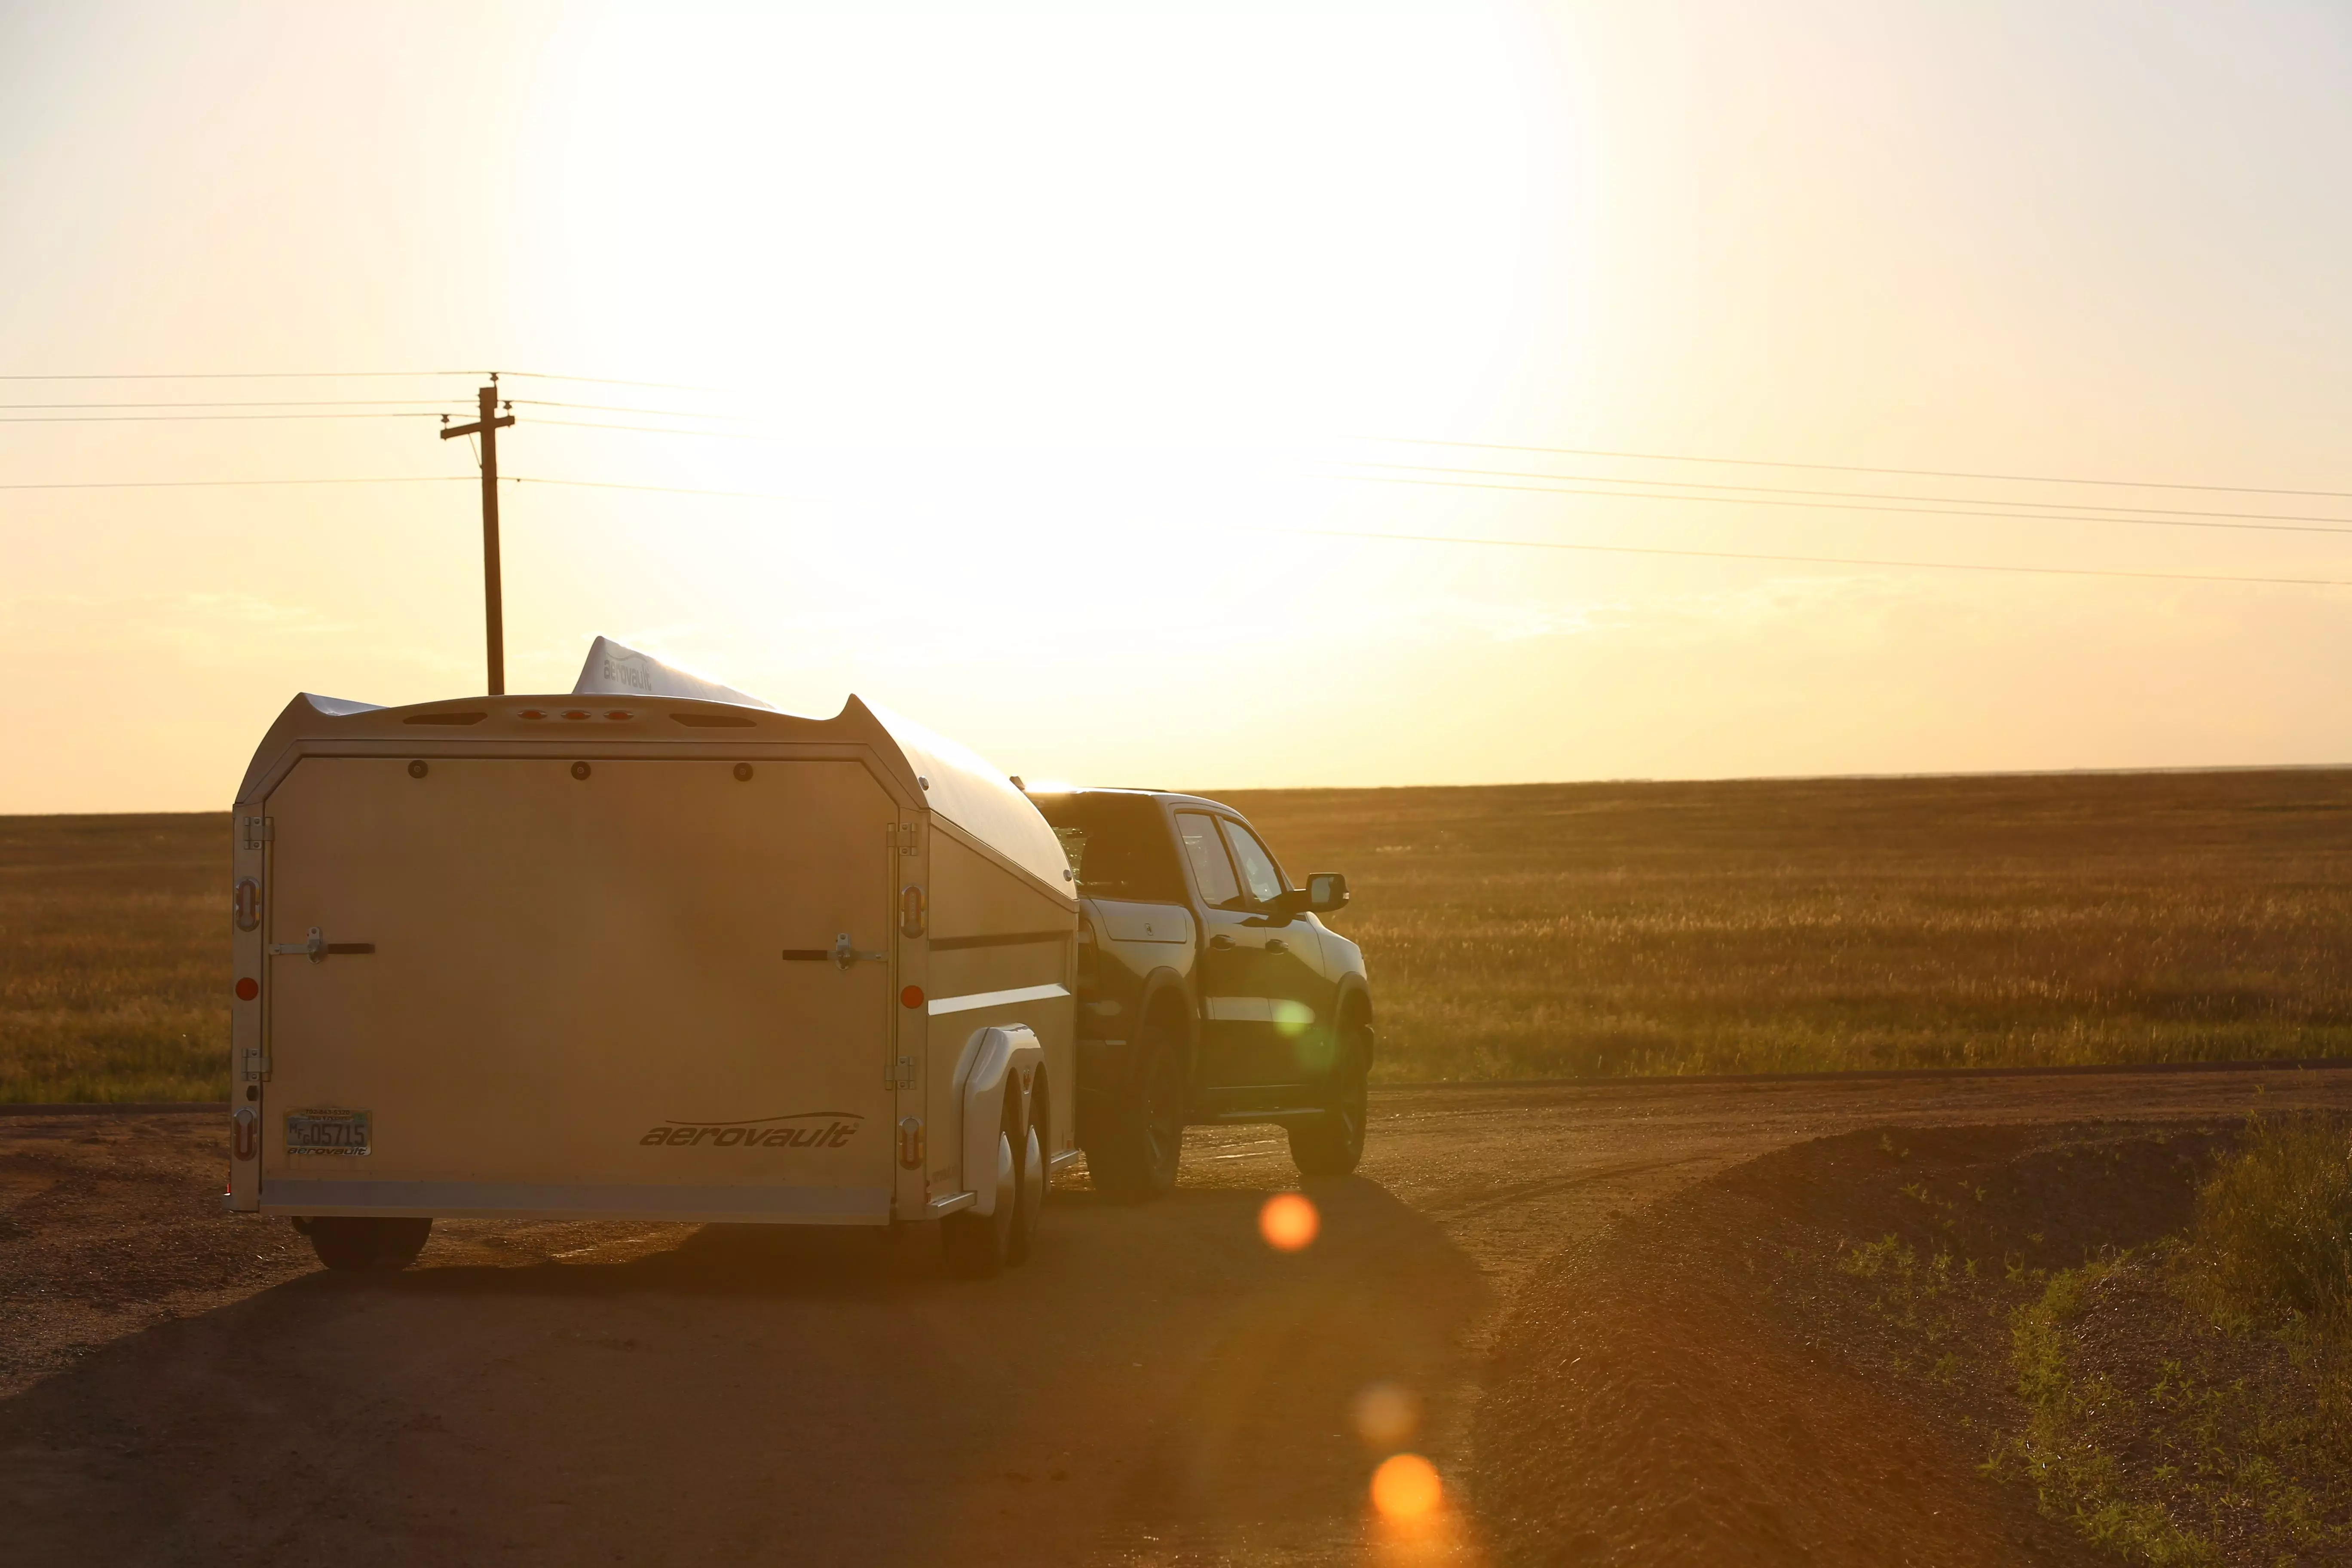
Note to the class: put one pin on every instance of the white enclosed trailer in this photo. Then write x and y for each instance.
(649, 950)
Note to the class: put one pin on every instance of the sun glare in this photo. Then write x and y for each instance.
(1405, 1488)
(1288, 1222)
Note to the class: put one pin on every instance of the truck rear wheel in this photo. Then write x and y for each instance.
(1332, 1142)
(1136, 1160)
(350, 1244)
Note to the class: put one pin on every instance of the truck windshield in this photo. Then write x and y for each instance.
(1128, 854)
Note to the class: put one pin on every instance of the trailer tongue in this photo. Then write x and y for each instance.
(645, 956)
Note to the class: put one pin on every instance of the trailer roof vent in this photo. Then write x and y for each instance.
(445, 718)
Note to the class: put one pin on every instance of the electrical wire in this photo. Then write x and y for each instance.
(649, 429)
(169, 418)
(616, 408)
(270, 402)
(613, 381)
(1594, 549)
(203, 484)
(2313, 526)
(1855, 467)
(257, 375)
(1854, 495)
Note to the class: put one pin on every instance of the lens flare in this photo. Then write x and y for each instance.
(1387, 1414)
(1406, 1487)
(1288, 1222)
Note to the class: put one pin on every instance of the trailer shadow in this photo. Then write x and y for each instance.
(1153, 1375)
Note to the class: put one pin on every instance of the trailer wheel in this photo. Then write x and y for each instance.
(976, 1244)
(353, 1243)
(1029, 1198)
(1137, 1161)
(1333, 1142)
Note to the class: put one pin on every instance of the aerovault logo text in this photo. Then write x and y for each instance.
(766, 1132)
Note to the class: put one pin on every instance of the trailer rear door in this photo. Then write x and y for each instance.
(608, 986)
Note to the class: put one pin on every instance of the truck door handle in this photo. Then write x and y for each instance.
(1221, 939)
(1275, 944)
(318, 948)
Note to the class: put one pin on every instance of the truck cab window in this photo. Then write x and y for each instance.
(1128, 854)
(1203, 847)
(1258, 872)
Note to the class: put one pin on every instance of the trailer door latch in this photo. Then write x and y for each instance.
(318, 949)
(845, 955)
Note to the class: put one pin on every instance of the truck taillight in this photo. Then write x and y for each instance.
(911, 1142)
(910, 909)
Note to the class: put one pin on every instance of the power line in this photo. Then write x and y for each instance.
(650, 429)
(1852, 495)
(269, 403)
(619, 409)
(206, 484)
(1855, 467)
(172, 418)
(2185, 521)
(254, 375)
(1594, 549)
(1813, 560)
(611, 380)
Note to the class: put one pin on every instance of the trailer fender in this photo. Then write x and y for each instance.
(995, 1062)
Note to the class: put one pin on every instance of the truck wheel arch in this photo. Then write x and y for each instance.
(1165, 989)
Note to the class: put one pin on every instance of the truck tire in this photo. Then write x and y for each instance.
(977, 1245)
(350, 1244)
(1332, 1142)
(1136, 1160)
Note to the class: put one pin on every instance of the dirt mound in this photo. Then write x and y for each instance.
(1775, 1366)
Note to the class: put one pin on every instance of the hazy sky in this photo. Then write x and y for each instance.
(1027, 326)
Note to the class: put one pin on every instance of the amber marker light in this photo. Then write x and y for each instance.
(912, 996)
(1288, 1222)
(1406, 1489)
(247, 990)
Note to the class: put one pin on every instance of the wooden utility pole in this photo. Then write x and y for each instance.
(493, 605)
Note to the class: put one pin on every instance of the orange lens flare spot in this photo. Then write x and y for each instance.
(912, 996)
(1288, 1222)
(1387, 1415)
(1406, 1487)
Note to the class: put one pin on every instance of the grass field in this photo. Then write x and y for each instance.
(1529, 930)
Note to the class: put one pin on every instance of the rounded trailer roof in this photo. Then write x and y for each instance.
(951, 779)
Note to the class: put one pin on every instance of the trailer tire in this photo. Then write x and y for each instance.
(1332, 1142)
(351, 1243)
(977, 1244)
(1136, 1160)
(1028, 1197)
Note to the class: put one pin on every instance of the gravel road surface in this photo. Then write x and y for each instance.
(1156, 1386)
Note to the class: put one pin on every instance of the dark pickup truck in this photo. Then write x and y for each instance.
(1208, 990)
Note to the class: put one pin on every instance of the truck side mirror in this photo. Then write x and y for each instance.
(1326, 892)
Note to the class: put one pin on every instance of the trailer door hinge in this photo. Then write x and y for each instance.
(257, 1064)
(903, 1074)
(902, 835)
(259, 831)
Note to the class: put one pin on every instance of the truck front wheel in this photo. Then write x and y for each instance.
(1332, 1142)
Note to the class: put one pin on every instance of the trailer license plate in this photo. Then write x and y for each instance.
(327, 1131)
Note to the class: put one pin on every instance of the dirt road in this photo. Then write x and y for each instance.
(1156, 1386)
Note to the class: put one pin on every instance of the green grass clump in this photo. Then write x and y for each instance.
(2273, 1228)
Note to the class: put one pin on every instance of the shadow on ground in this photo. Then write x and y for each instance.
(1155, 1386)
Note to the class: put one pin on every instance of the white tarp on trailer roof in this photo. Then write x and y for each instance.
(613, 670)
(957, 783)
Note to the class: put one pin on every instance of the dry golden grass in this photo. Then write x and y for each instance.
(114, 958)
(1530, 931)
(1559, 930)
